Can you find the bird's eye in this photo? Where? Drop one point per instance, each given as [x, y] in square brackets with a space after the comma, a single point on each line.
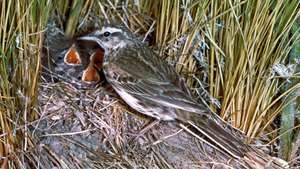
[106, 34]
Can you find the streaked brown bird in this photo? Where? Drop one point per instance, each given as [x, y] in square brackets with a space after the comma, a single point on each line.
[152, 87]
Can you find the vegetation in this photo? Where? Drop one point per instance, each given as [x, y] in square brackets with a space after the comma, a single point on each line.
[240, 57]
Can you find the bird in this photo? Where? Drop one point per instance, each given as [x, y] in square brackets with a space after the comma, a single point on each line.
[148, 84]
[90, 58]
[92, 73]
[68, 60]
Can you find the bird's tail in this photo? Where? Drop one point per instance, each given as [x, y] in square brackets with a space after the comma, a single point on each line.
[223, 137]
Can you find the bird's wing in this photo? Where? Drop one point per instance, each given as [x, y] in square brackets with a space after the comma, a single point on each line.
[141, 73]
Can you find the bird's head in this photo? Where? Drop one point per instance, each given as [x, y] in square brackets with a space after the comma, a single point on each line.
[109, 37]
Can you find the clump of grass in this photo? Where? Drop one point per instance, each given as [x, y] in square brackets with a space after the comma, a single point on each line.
[248, 42]
[250, 39]
[178, 32]
[21, 38]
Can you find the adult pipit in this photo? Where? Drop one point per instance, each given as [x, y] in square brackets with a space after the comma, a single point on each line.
[152, 87]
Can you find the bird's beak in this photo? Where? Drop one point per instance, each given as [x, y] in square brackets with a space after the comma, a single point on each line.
[91, 37]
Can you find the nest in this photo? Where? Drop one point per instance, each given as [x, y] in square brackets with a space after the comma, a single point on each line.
[84, 128]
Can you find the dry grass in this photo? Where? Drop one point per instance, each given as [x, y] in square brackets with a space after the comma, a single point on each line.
[252, 39]
[93, 129]
[21, 33]
[228, 51]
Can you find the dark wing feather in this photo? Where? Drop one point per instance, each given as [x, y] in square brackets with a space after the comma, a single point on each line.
[142, 74]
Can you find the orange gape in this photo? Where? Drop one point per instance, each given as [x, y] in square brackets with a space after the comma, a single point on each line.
[91, 73]
[97, 58]
[72, 56]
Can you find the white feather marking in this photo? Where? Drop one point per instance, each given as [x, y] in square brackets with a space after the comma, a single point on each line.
[155, 112]
[110, 29]
[176, 106]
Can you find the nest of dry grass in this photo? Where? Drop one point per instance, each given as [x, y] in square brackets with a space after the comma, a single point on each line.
[80, 128]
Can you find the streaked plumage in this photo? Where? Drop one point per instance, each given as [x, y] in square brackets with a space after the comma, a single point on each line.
[152, 87]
